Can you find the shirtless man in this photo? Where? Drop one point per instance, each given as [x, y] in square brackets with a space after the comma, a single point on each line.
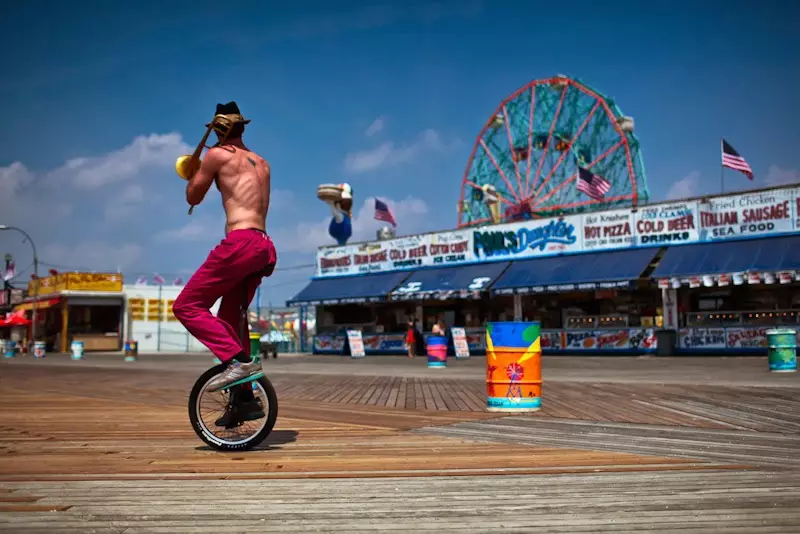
[234, 268]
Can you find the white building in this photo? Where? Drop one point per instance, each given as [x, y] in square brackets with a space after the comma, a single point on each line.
[153, 326]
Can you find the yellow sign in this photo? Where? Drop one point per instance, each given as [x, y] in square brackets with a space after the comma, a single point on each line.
[76, 282]
[170, 314]
[136, 306]
[153, 310]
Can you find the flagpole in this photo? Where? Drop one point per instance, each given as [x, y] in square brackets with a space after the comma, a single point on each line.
[158, 324]
[721, 168]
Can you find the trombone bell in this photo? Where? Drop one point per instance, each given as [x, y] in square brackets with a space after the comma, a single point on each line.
[183, 166]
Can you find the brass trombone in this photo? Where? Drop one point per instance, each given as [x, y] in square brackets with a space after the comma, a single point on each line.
[187, 165]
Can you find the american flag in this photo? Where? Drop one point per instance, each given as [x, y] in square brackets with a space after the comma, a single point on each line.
[10, 273]
[178, 281]
[592, 184]
[141, 281]
[158, 279]
[732, 160]
[383, 213]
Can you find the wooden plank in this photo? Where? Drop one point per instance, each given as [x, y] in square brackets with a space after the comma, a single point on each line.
[679, 502]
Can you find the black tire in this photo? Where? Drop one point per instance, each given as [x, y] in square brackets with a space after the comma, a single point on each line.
[212, 441]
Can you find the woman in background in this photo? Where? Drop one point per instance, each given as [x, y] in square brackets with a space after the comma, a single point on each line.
[411, 339]
[438, 328]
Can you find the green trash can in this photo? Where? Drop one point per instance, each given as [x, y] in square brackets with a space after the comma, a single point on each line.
[782, 350]
[255, 345]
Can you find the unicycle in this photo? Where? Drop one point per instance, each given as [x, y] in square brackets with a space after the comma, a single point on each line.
[243, 429]
[206, 407]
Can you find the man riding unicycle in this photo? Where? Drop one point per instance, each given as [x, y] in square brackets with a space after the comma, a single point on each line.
[235, 267]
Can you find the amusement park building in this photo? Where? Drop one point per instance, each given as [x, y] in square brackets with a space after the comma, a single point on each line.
[717, 271]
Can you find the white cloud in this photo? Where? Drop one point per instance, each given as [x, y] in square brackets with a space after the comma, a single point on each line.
[376, 126]
[308, 236]
[66, 211]
[778, 176]
[389, 154]
[125, 204]
[154, 150]
[685, 187]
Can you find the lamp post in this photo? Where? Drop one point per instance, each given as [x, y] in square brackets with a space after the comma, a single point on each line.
[35, 274]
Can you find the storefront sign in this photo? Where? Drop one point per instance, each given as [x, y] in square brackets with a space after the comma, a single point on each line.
[380, 343]
[77, 282]
[551, 341]
[460, 342]
[667, 224]
[476, 341]
[731, 338]
[796, 202]
[528, 239]
[702, 338]
[736, 216]
[608, 230]
[577, 340]
[601, 340]
[748, 215]
[328, 344]
[746, 337]
[356, 343]
[402, 253]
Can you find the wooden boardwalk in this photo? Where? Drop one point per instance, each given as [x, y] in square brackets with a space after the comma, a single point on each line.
[108, 448]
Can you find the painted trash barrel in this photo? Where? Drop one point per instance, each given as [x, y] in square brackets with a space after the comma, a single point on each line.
[437, 352]
[255, 345]
[9, 349]
[77, 350]
[513, 367]
[131, 350]
[782, 352]
[39, 349]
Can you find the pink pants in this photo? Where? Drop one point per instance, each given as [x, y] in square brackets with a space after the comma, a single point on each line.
[232, 271]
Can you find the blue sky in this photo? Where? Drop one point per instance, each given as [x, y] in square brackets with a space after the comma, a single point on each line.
[99, 99]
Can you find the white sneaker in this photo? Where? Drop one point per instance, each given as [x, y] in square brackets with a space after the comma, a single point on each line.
[235, 371]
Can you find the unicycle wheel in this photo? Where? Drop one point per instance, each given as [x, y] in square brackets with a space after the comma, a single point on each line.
[238, 433]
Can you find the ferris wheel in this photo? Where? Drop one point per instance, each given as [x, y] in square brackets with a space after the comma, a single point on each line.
[525, 162]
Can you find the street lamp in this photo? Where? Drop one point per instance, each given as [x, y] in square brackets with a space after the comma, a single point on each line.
[35, 274]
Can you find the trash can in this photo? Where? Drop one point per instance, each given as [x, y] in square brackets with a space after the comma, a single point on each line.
[255, 345]
[782, 353]
[39, 349]
[9, 349]
[437, 352]
[513, 367]
[131, 350]
[666, 341]
[77, 350]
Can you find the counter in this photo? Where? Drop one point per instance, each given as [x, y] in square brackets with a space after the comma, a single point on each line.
[728, 340]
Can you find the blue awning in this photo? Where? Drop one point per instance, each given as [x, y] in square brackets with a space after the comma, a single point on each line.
[579, 272]
[466, 281]
[728, 257]
[349, 289]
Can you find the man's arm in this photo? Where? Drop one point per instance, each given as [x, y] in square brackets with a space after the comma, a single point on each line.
[198, 186]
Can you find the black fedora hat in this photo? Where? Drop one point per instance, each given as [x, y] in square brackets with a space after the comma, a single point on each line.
[231, 108]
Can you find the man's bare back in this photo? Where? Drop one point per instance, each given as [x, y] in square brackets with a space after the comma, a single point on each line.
[243, 180]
